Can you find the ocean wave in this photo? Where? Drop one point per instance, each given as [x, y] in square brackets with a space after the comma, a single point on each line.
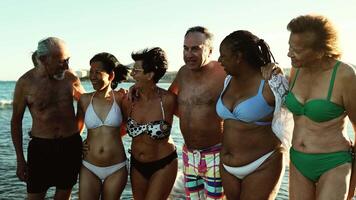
[4, 103]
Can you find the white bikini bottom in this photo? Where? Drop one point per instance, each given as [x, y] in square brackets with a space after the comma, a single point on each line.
[103, 172]
[241, 172]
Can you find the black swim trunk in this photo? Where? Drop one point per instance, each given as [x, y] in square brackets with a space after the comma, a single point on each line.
[53, 162]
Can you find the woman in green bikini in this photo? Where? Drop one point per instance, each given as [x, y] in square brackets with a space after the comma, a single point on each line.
[322, 94]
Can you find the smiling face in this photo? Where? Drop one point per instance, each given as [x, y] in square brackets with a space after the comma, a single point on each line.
[99, 78]
[196, 50]
[137, 70]
[301, 52]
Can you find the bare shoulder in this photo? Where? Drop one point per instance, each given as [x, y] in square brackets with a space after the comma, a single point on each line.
[70, 74]
[120, 94]
[216, 65]
[169, 99]
[167, 95]
[217, 69]
[26, 79]
[85, 98]
[347, 73]
[176, 84]
[182, 72]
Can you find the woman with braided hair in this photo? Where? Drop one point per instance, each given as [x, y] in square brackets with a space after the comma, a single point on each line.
[252, 148]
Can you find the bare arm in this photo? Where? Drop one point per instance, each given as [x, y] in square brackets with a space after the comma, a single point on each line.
[121, 97]
[80, 115]
[77, 86]
[269, 69]
[170, 106]
[174, 88]
[349, 97]
[77, 89]
[18, 109]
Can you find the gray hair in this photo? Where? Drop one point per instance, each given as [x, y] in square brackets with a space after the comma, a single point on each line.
[46, 45]
[200, 29]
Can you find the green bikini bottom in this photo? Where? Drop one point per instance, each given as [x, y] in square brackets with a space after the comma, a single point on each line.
[313, 165]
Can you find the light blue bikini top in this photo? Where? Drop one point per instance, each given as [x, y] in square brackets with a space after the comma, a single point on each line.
[113, 118]
[250, 110]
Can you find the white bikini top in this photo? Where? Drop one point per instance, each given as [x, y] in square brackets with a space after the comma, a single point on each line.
[113, 118]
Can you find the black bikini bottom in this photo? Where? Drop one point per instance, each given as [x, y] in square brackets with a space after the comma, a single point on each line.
[147, 169]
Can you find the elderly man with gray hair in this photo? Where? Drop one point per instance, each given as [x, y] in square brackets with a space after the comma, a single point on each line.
[54, 151]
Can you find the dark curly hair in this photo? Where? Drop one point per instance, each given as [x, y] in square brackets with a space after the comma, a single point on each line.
[111, 64]
[153, 60]
[254, 50]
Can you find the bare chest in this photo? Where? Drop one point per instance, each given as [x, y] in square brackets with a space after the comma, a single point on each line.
[44, 96]
[200, 91]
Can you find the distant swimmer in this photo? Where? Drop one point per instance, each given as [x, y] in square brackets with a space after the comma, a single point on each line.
[55, 149]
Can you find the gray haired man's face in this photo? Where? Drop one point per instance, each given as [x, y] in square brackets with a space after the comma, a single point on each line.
[58, 63]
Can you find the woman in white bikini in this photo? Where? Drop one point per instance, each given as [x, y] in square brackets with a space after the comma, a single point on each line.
[104, 171]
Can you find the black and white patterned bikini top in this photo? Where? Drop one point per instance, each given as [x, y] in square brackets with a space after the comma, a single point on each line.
[159, 129]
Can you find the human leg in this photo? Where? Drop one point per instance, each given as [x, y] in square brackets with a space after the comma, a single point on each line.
[313, 166]
[334, 184]
[89, 185]
[148, 169]
[139, 184]
[166, 175]
[39, 160]
[300, 187]
[68, 162]
[36, 196]
[265, 179]
[62, 194]
[209, 169]
[115, 184]
[193, 183]
[231, 184]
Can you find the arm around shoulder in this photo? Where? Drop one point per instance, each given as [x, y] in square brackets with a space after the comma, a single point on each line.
[170, 105]
[174, 87]
[81, 107]
[77, 86]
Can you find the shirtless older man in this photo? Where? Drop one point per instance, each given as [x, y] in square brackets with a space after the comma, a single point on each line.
[197, 86]
[54, 151]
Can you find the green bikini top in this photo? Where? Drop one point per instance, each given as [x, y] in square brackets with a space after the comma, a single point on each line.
[318, 110]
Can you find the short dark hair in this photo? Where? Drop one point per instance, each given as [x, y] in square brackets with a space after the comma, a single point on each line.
[200, 29]
[153, 60]
[325, 34]
[254, 50]
[111, 64]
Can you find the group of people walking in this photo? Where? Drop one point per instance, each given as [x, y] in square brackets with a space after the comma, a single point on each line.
[233, 115]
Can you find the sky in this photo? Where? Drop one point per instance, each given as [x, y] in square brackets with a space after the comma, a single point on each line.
[123, 26]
